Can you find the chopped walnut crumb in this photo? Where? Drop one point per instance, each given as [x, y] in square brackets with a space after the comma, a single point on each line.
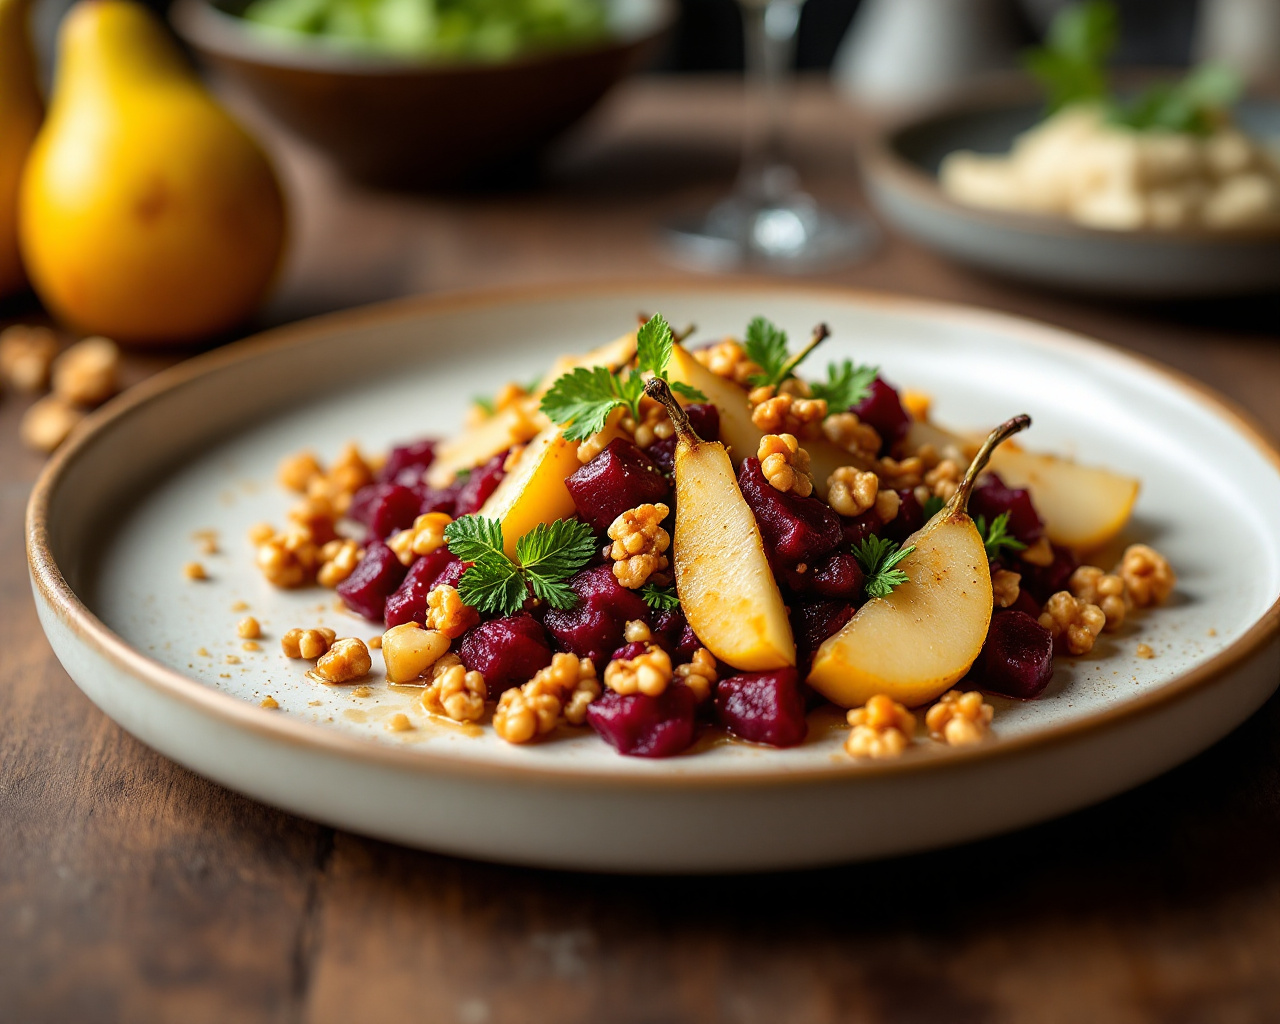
[784, 414]
[454, 691]
[1091, 584]
[307, 643]
[850, 433]
[649, 672]
[562, 689]
[425, 536]
[699, 674]
[1006, 586]
[289, 559]
[959, 719]
[88, 373]
[399, 722]
[251, 645]
[26, 356]
[296, 472]
[654, 424]
[729, 360]
[887, 505]
[194, 571]
[901, 475]
[346, 659]
[47, 423]
[408, 651]
[248, 628]
[1148, 577]
[1145, 651]
[260, 533]
[943, 480]
[339, 559]
[268, 702]
[636, 631]
[785, 464]
[638, 544]
[447, 613]
[599, 441]
[1038, 554]
[1079, 621]
[881, 728]
[851, 491]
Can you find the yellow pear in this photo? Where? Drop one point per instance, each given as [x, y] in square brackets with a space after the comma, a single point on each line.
[723, 579]
[146, 212]
[913, 644]
[20, 111]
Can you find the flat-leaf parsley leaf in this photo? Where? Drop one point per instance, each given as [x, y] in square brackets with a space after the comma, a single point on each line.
[878, 557]
[996, 537]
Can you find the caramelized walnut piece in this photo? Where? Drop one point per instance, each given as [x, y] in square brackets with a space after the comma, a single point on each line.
[1038, 554]
[785, 464]
[423, 537]
[248, 628]
[959, 719]
[882, 728]
[943, 480]
[1078, 620]
[636, 631]
[307, 643]
[408, 651]
[851, 491]
[454, 691]
[1094, 586]
[1005, 586]
[194, 571]
[897, 475]
[649, 673]
[562, 689]
[850, 433]
[345, 661]
[26, 356]
[779, 414]
[699, 674]
[47, 423]
[728, 359]
[1148, 577]
[447, 612]
[338, 560]
[638, 544]
[296, 471]
[887, 505]
[88, 373]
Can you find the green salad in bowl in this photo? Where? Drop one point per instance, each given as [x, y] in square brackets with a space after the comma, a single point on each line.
[481, 30]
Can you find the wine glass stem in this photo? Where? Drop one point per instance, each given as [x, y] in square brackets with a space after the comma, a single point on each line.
[769, 29]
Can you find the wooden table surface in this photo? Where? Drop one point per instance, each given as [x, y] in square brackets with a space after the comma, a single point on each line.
[133, 890]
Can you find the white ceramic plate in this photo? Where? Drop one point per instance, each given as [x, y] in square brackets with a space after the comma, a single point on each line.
[111, 524]
[902, 166]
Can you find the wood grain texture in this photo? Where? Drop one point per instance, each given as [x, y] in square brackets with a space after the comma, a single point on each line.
[133, 890]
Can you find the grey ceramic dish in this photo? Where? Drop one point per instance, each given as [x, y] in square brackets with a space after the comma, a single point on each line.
[902, 167]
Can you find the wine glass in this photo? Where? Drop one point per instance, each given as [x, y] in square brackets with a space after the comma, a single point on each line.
[768, 221]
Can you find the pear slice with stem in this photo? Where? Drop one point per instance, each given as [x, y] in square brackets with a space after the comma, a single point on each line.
[913, 644]
[723, 579]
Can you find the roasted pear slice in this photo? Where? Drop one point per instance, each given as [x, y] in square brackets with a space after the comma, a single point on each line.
[722, 575]
[913, 644]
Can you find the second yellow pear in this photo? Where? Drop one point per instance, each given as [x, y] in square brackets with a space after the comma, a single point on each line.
[146, 212]
[20, 111]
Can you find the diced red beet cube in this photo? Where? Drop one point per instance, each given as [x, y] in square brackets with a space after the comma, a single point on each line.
[451, 574]
[1043, 581]
[763, 707]
[619, 478]
[794, 529]
[812, 622]
[1017, 657]
[704, 417]
[991, 498]
[593, 627]
[644, 726]
[1025, 603]
[408, 460]
[855, 531]
[385, 508]
[372, 581]
[507, 651]
[482, 482]
[837, 578]
[409, 601]
[882, 408]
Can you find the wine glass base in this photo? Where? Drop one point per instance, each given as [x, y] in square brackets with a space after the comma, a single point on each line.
[795, 236]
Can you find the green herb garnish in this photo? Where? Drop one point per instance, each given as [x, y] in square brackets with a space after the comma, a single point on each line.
[660, 599]
[996, 537]
[846, 385]
[766, 345]
[546, 557]
[878, 557]
[932, 506]
[584, 397]
[485, 404]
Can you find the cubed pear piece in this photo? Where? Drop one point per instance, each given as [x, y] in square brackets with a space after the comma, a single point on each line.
[533, 491]
[915, 643]
[723, 579]
[740, 435]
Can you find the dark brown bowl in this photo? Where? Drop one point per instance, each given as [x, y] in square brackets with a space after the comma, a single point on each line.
[391, 121]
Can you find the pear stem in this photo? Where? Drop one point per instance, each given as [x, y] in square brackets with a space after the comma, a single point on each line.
[960, 501]
[657, 389]
[820, 334]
